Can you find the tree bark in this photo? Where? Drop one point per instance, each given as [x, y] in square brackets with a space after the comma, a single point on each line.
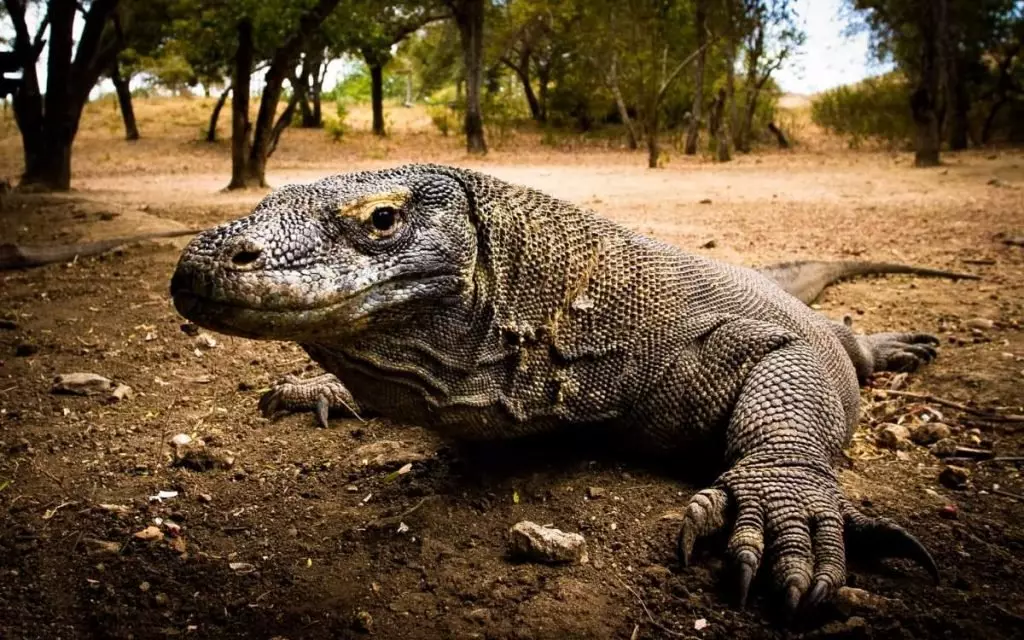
[283, 122]
[719, 128]
[924, 102]
[211, 131]
[240, 128]
[124, 99]
[469, 16]
[254, 169]
[652, 126]
[779, 136]
[693, 131]
[523, 73]
[959, 126]
[377, 98]
[729, 123]
[48, 123]
[612, 80]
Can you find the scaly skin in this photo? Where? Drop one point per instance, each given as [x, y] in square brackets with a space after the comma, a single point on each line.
[451, 300]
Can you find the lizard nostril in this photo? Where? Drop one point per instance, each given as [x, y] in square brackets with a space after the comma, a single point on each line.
[245, 257]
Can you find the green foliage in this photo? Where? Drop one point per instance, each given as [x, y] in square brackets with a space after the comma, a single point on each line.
[875, 109]
[336, 128]
[356, 87]
[442, 116]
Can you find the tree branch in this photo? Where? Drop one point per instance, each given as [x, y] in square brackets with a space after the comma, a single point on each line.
[675, 72]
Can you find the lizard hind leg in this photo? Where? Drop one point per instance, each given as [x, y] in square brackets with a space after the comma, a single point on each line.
[320, 394]
[899, 351]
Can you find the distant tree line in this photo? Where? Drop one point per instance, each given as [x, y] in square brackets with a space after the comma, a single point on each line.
[700, 69]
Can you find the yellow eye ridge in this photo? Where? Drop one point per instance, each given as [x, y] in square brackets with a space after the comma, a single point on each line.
[362, 208]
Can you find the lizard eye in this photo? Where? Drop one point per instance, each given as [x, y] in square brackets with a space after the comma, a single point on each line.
[384, 219]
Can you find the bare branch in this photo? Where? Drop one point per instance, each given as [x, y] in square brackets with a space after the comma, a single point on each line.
[675, 72]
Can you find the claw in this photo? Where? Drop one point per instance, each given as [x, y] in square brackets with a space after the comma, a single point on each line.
[322, 407]
[685, 541]
[887, 539]
[269, 403]
[792, 598]
[817, 593]
[746, 577]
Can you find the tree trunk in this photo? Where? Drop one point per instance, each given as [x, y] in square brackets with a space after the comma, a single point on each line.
[779, 136]
[719, 128]
[612, 80]
[959, 126]
[48, 122]
[990, 119]
[523, 73]
[318, 86]
[543, 80]
[377, 98]
[653, 150]
[693, 131]
[253, 170]
[469, 15]
[240, 128]
[924, 102]
[729, 123]
[283, 122]
[211, 131]
[124, 99]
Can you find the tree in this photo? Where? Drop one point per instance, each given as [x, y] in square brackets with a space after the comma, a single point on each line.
[916, 34]
[49, 123]
[770, 40]
[693, 130]
[469, 16]
[249, 153]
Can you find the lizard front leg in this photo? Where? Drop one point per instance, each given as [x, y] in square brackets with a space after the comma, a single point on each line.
[780, 495]
[320, 394]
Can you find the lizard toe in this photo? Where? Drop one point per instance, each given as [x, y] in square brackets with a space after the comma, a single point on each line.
[320, 395]
[705, 515]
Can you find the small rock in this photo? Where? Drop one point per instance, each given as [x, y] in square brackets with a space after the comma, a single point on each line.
[850, 600]
[893, 436]
[25, 350]
[198, 457]
[144, 587]
[161, 599]
[930, 433]
[120, 392]
[180, 440]
[150, 534]
[96, 546]
[944, 447]
[853, 627]
[949, 512]
[241, 567]
[80, 384]
[595, 493]
[954, 477]
[362, 621]
[546, 544]
[205, 498]
[385, 454]
[705, 201]
[700, 624]
[205, 341]
[710, 244]
[117, 509]
[189, 329]
[178, 545]
[982, 324]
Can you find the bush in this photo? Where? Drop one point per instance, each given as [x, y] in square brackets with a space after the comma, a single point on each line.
[441, 116]
[873, 109]
[336, 127]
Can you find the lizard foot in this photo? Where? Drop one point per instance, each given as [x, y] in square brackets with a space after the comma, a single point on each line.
[794, 513]
[320, 395]
[900, 351]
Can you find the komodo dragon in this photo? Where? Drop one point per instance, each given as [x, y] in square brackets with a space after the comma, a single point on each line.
[452, 300]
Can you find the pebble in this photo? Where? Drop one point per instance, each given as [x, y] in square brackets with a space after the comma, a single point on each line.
[150, 534]
[893, 436]
[930, 433]
[363, 621]
[595, 493]
[850, 600]
[982, 324]
[545, 544]
[205, 340]
[197, 456]
[944, 447]
[25, 350]
[120, 392]
[954, 477]
[80, 384]
[949, 512]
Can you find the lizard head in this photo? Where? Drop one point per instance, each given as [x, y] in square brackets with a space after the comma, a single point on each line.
[323, 261]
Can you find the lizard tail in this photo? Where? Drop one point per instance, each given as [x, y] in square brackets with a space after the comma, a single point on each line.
[806, 279]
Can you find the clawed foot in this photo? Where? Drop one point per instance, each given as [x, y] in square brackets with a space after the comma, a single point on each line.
[797, 517]
[900, 351]
[319, 395]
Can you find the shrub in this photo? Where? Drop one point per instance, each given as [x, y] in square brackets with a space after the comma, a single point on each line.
[874, 109]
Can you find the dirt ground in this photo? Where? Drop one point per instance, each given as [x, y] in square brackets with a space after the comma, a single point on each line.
[313, 533]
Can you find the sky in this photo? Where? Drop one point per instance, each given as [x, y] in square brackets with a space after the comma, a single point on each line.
[829, 58]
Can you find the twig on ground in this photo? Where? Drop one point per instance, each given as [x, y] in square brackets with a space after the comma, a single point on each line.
[650, 616]
[1008, 494]
[981, 413]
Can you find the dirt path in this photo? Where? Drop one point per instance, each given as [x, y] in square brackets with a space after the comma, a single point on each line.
[300, 536]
